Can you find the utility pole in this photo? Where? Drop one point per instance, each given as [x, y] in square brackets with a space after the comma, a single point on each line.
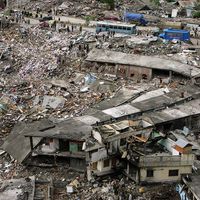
[124, 14]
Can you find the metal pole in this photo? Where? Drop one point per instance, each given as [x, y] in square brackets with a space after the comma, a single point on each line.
[124, 14]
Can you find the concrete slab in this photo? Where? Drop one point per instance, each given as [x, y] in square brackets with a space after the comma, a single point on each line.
[152, 62]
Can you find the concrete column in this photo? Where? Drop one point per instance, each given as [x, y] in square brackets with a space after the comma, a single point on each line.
[116, 68]
[89, 174]
[170, 76]
[190, 122]
[150, 74]
[31, 142]
[127, 168]
[128, 71]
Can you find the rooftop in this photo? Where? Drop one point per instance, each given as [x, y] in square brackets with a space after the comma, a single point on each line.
[72, 129]
[16, 140]
[152, 62]
[182, 143]
[176, 30]
[121, 110]
[181, 111]
[115, 24]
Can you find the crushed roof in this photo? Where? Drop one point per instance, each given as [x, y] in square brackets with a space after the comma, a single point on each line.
[152, 62]
[182, 143]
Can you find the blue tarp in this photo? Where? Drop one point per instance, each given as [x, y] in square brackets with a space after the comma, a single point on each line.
[135, 17]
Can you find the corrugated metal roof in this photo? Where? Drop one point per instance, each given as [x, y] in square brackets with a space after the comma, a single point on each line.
[121, 111]
[182, 143]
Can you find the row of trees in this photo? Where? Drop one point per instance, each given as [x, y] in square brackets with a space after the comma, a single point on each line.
[196, 14]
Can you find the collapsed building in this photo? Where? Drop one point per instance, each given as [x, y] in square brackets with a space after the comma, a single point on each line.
[188, 188]
[135, 66]
[145, 147]
[140, 143]
[148, 132]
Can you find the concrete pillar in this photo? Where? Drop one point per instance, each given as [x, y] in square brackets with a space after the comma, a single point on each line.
[116, 68]
[89, 173]
[170, 76]
[150, 74]
[127, 168]
[190, 122]
[31, 142]
[128, 71]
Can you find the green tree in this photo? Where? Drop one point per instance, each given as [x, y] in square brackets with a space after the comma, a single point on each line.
[110, 3]
[197, 7]
[196, 14]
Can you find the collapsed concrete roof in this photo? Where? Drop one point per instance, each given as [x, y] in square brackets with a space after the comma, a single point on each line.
[78, 128]
[152, 62]
[17, 145]
[71, 129]
[184, 110]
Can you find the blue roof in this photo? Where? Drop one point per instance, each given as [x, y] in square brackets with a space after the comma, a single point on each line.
[182, 143]
[176, 30]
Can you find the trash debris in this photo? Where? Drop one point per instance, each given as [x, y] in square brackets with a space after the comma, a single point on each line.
[53, 83]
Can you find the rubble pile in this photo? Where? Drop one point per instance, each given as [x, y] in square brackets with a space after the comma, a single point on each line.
[33, 61]
[97, 114]
[9, 167]
[68, 8]
[114, 188]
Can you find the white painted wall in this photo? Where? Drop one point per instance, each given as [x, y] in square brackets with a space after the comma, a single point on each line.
[161, 174]
[101, 168]
[97, 136]
[51, 148]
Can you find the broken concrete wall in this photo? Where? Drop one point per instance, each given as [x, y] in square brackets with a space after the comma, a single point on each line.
[162, 174]
[132, 172]
[104, 165]
[101, 167]
[50, 146]
[115, 146]
[140, 73]
[124, 71]
[78, 164]
[97, 136]
[164, 168]
[100, 154]
[195, 122]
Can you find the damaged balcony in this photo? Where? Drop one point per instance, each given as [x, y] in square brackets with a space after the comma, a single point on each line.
[62, 142]
[60, 148]
[147, 161]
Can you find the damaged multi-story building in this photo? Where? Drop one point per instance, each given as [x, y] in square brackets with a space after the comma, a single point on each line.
[149, 137]
[133, 147]
[135, 66]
